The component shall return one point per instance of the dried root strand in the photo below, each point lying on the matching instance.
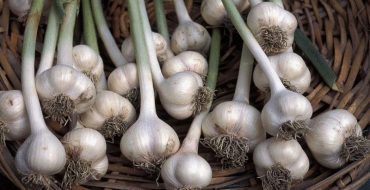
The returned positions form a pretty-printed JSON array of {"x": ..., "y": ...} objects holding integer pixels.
[
  {"x": 37, "y": 181},
  {"x": 187, "y": 187},
  {"x": 231, "y": 149},
  {"x": 132, "y": 95},
  {"x": 293, "y": 129},
  {"x": 201, "y": 99},
  {"x": 277, "y": 178},
  {"x": 151, "y": 166},
  {"x": 114, "y": 126},
  {"x": 59, "y": 108},
  {"x": 355, "y": 148},
  {"x": 272, "y": 39},
  {"x": 3, "y": 131},
  {"x": 77, "y": 171},
  {"x": 289, "y": 85},
  {"x": 91, "y": 76}
]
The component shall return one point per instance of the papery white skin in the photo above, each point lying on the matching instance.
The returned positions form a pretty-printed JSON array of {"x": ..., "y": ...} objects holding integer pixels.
[
  {"x": 13, "y": 113},
  {"x": 267, "y": 14},
  {"x": 107, "y": 105},
  {"x": 63, "y": 79},
  {"x": 177, "y": 93},
  {"x": 283, "y": 107},
  {"x": 100, "y": 167},
  {"x": 91, "y": 143},
  {"x": 288, "y": 153},
  {"x": 20, "y": 7},
  {"x": 290, "y": 67},
  {"x": 88, "y": 61},
  {"x": 20, "y": 161},
  {"x": 185, "y": 61},
  {"x": 327, "y": 135},
  {"x": 162, "y": 48},
  {"x": 214, "y": 13},
  {"x": 123, "y": 79}
]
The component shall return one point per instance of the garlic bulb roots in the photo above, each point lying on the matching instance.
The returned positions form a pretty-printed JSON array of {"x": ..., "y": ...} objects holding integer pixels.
[
  {"x": 335, "y": 138},
  {"x": 272, "y": 26},
  {"x": 84, "y": 146},
  {"x": 278, "y": 162},
  {"x": 124, "y": 81},
  {"x": 185, "y": 61},
  {"x": 63, "y": 91},
  {"x": 14, "y": 124},
  {"x": 111, "y": 114}
]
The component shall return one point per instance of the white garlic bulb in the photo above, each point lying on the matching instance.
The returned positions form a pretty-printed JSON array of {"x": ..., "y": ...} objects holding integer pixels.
[
  {"x": 14, "y": 124},
  {"x": 185, "y": 61},
  {"x": 111, "y": 114},
  {"x": 272, "y": 26},
  {"x": 286, "y": 114},
  {"x": 84, "y": 146},
  {"x": 88, "y": 61},
  {"x": 162, "y": 48},
  {"x": 335, "y": 138},
  {"x": 20, "y": 7},
  {"x": 181, "y": 94},
  {"x": 279, "y": 162},
  {"x": 214, "y": 13},
  {"x": 20, "y": 161},
  {"x": 124, "y": 80},
  {"x": 291, "y": 69},
  {"x": 63, "y": 91},
  {"x": 148, "y": 142},
  {"x": 100, "y": 167},
  {"x": 188, "y": 35}
]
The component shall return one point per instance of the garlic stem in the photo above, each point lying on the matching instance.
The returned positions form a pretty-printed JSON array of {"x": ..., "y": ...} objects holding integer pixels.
[
  {"x": 147, "y": 104},
  {"x": 31, "y": 99},
  {"x": 181, "y": 12},
  {"x": 214, "y": 59},
  {"x": 65, "y": 44},
  {"x": 105, "y": 34},
  {"x": 255, "y": 2},
  {"x": 278, "y": 2},
  {"x": 161, "y": 20},
  {"x": 88, "y": 26},
  {"x": 50, "y": 42},
  {"x": 243, "y": 84},
  {"x": 275, "y": 84}
]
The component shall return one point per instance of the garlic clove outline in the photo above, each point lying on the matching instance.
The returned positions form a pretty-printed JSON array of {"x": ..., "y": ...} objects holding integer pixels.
[
  {"x": 124, "y": 80},
  {"x": 100, "y": 167},
  {"x": 185, "y": 61}
]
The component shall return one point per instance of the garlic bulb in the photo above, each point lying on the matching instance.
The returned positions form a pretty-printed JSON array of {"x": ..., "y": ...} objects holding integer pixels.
[
  {"x": 20, "y": 7},
  {"x": 234, "y": 127},
  {"x": 286, "y": 115},
  {"x": 272, "y": 26},
  {"x": 100, "y": 167},
  {"x": 188, "y": 35},
  {"x": 291, "y": 69},
  {"x": 14, "y": 124},
  {"x": 335, "y": 138},
  {"x": 214, "y": 13},
  {"x": 63, "y": 91},
  {"x": 185, "y": 61},
  {"x": 279, "y": 162},
  {"x": 124, "y": 80},
  {"x": 111, "y": 114},
  {"x": 88, "y": 61},
  {"x": 84, "y": 146},
  {"x": 162, "y": 48}
]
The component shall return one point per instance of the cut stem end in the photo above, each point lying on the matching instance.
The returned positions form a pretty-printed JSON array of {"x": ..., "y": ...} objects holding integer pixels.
[
  {"x": 231, "y": 149},
  {"x": 272, "y": 39},
  {"x": 114, "y": 126},
  {"x": 133, "y": 95},
  {"x": 293, "y": 129},
  {"x": 59, "y": 108},
  {"x": 355, "y": 148},
  {"x": 277, "y": 177}
]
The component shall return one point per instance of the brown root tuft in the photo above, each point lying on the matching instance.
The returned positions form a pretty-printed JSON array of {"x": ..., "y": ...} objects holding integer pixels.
[
  {"x": 91, "y": 76},
  {"x": 289, "y": 85},
  {"x": 77, "y": 171},
  {"x": 355, "y": 148},
  {"x": 293, "y": 129},
  {"x": 272, "y": 39},
  {"x": 201, "y": 99},
  {"x": 277, "y": 178},
  {"x": 114, "y": 126},
  {"x": 187, "y": 187},
  {"x": 59, "y": 108},
  {"x": 151, "y": 166},
  {"x": 132, "y": 95},
  {"x": 37, "y": 181},
  {"x": 3, "y": 131},
  {"x": 231, "y": 149}
]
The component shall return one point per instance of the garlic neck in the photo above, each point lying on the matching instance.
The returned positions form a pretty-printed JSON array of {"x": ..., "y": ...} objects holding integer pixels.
[
  {"x": 182, "y": 12},
  {"x": 65, "y": 45},
  {"x": 242, "y": 89},
  {"x": 191, "y": 141},
  {"x": 254, "y": 2}
]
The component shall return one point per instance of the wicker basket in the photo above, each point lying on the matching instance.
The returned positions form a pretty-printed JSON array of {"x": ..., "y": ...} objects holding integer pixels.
[{"x": 339, "y": 28}]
